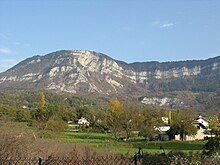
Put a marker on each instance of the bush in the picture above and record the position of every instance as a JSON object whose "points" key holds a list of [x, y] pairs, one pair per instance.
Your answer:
{"points": [[181, 158], [213, 144], [56, 125], [16, 140], [98, 128], [156, 159]]}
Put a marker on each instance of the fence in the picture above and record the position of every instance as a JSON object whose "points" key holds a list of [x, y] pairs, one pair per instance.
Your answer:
{"points": [[74, 160], [97, 160], [89, 159]]}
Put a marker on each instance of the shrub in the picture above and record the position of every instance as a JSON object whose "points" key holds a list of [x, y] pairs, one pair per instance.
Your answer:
{"points": [[56, 125], [213, 144], [155, 159]]}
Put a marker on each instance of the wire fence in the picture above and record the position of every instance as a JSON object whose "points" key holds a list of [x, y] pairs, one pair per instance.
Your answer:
{"points": [[74, 159], [96, 160]]}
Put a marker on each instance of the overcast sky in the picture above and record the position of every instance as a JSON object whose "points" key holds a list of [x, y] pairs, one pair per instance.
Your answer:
{"points": [[128, 30]]}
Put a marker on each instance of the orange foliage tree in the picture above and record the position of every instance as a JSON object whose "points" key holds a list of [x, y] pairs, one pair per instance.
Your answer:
{"points": [[118, 119]]}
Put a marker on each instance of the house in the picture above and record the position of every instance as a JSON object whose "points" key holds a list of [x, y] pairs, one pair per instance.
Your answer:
{"points": [[202, 127], [162, 133], [200, 123], [83, 121]]}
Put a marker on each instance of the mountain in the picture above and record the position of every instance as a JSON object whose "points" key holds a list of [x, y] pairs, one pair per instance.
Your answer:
{"points": [[85, 72], [71, 71]]}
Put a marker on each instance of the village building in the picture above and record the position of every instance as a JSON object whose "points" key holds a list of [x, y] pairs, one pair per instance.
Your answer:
{"points": [[74, 126], [200, 123], [83, 121]]}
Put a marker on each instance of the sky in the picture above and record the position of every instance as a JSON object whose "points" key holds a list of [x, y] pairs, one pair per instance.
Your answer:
{"points": [[127, 30]]}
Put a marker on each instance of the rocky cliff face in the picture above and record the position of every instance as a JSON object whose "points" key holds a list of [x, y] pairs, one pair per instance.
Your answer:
{"points": [[86, 72]]}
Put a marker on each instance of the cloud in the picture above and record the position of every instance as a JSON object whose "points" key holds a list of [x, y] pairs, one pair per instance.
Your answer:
{"points": [[166, 25], [5, 51], [161, 24]]}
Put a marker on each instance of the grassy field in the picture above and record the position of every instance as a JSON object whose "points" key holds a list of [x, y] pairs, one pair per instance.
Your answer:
{"points": [[105, 143]]}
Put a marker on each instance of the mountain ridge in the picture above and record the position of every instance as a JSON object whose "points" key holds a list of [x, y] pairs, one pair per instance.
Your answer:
{"points": [[85, 72]]}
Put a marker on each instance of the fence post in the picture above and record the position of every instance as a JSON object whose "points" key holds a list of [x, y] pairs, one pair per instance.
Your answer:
{"points": [[135, 159], [40, 161], [138, 156]]}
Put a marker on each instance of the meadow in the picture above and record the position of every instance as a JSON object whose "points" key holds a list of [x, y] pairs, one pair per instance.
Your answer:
{"points": [[19, 140], [104, 142]]}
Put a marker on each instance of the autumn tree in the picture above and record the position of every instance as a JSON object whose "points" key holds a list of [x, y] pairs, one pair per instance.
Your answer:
{"points": [[42, 115], [42, 101], [118, 120]]}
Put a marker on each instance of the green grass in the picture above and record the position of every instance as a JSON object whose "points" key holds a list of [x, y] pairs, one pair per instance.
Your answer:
{"points": [[105, 143]]}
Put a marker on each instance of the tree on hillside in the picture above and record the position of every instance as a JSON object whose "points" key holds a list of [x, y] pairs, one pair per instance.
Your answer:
{"points": [[149, 120], [23, 115], [42, 101], [8, 112], [42, 115], [214, 124], [120, 121], [84, 112], [182, 124], [48, 117], [213, 144], [99, 124]]}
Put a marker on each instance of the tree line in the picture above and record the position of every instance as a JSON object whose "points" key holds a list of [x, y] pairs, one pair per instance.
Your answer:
{"points": [[49, 113]]}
